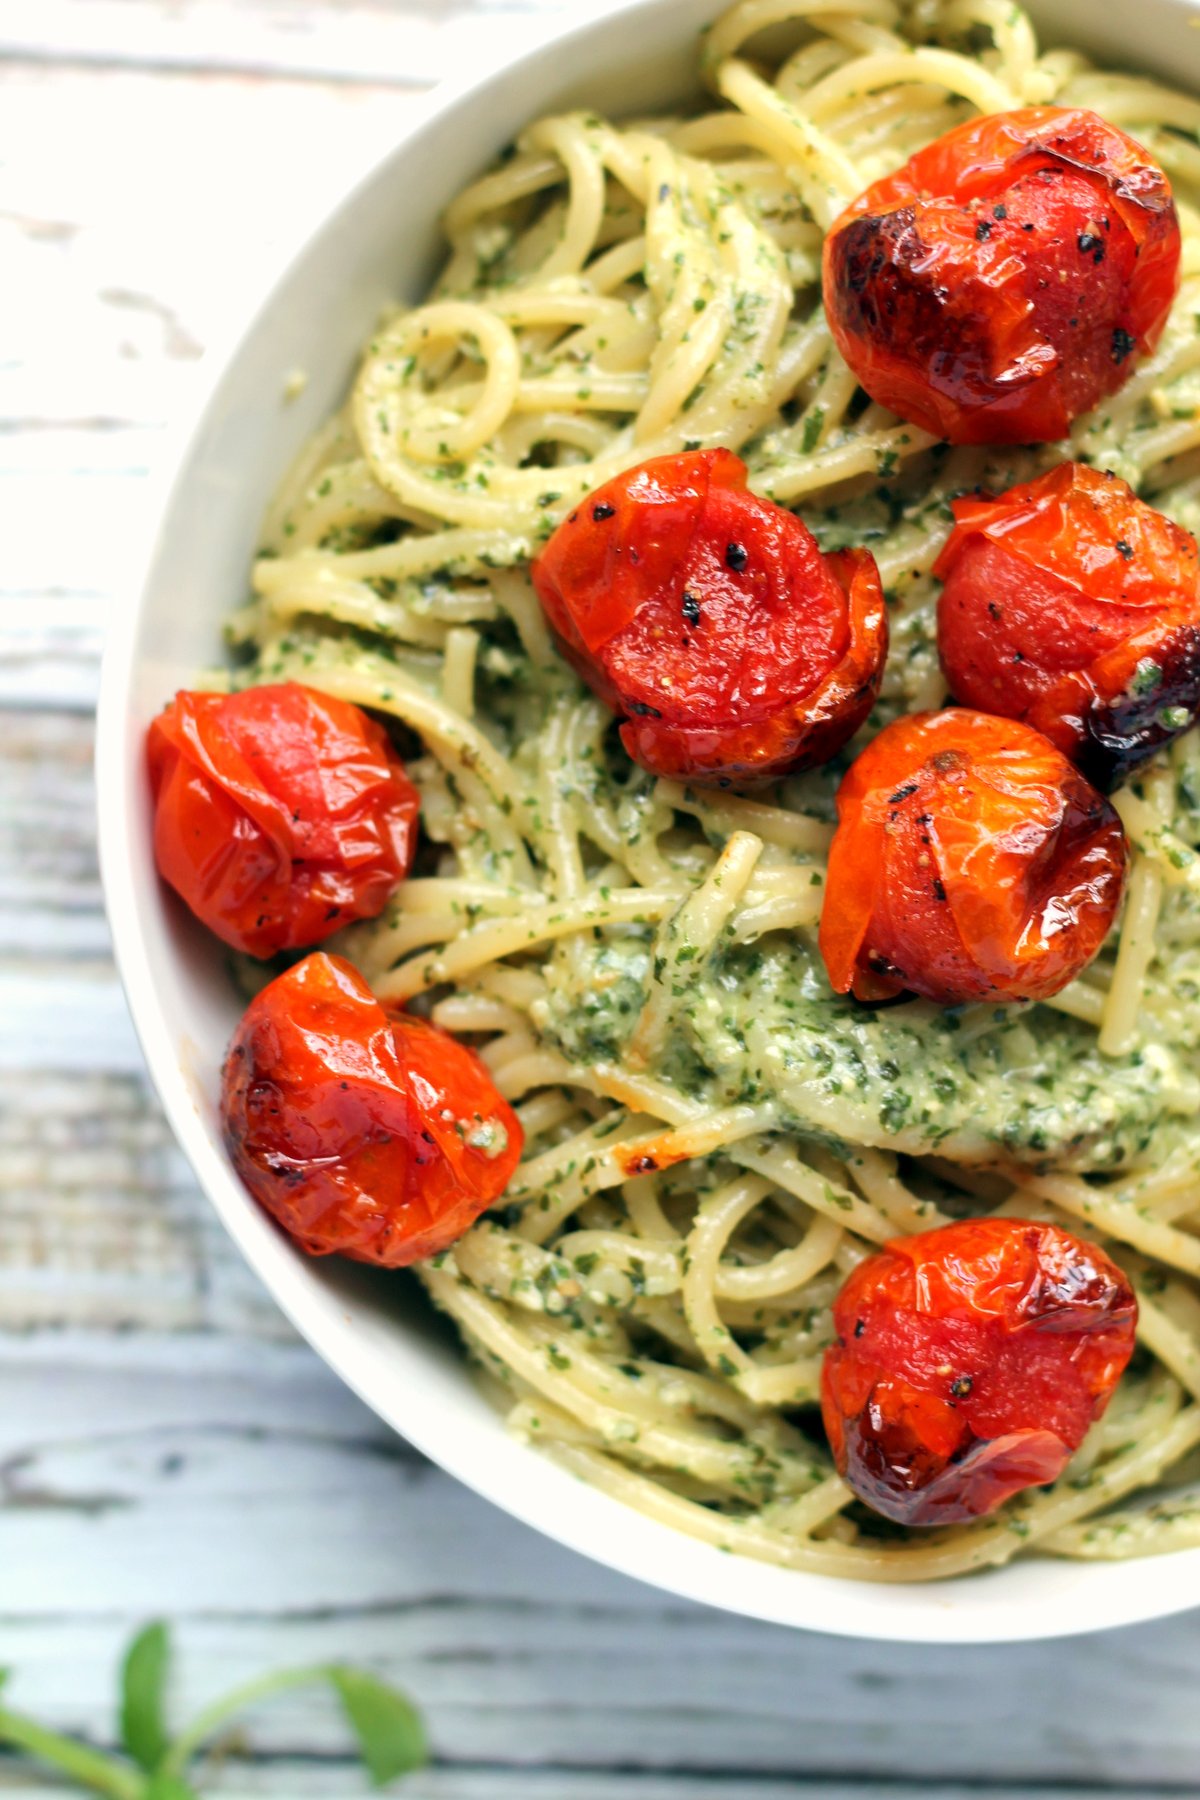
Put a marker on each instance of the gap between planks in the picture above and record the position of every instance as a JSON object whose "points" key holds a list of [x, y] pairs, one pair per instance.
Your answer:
{"points": [[339, 1780], [120, 268]]}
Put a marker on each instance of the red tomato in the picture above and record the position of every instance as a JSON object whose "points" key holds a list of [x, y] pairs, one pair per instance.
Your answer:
{"points": [[969, 1363], [1073, 605], [363, 1132], [710, 621], [280, 814], [997, 286], [971, 862]]}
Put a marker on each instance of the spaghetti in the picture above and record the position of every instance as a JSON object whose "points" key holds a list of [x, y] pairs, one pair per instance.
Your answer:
{"points": [[713, 1138]]}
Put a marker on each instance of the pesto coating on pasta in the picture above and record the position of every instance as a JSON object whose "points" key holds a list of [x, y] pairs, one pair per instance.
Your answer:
{"points": [[713, 1138]]}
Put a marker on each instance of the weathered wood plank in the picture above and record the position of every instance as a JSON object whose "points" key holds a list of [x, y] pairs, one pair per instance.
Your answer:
{"points": [[237, 1488], [75, 1021], [101, 1222], [50, 649], [187, 187], [50, 898], [119, 266], [337, 1780], [408, 42]]}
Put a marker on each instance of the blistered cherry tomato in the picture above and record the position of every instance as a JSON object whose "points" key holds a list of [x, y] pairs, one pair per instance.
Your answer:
{"points": [[971, 861], [1000, 283], [969, 1363], [280, 814], [1073, 605], [709, 621], [363, 1132]]}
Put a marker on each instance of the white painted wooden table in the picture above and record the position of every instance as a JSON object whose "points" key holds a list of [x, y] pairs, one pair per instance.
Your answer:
{"points": [[166, 1445]]}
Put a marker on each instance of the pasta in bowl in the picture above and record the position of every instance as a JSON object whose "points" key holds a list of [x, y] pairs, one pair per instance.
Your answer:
{"points": [[714, 1138]]}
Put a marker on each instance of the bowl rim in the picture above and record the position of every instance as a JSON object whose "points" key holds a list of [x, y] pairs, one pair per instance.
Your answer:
{"points": [[851, 1613]]}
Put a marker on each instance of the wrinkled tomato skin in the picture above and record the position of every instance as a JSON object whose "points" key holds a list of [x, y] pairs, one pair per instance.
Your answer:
{"points": [[969, 1363], [1071, 604], [710, 622], [971, 861], [999, 284], [280, 814], [364, 1133]]}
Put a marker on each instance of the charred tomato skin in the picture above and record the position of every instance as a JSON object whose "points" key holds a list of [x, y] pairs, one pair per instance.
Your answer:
{"points": [[280, 813], [968, 1364], [364, 1133], [999, 284], [971, 862], [709, 621], [1071, 604]]}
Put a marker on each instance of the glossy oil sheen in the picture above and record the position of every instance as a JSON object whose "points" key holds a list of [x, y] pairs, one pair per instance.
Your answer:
{"points": [[363, 1133], [1071, 604], [709, 619], [971, 862], [969, 1363], [280, 814], [997, 285]]}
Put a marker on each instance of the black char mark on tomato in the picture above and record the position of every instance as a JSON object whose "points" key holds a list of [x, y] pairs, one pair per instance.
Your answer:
{"points": [[709, 621], [969, 1363], [1073, 605], [971, 862], [363, 1132], [1000, 283]]}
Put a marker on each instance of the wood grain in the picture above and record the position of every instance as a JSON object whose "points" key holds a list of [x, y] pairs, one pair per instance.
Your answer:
{"points": [[407, 42], [234, 1486], [166, 1445], [237, 1778]]}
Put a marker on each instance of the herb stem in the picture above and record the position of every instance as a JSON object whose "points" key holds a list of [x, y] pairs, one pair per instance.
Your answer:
{"points": [[263, 1687], [91, 1768]]}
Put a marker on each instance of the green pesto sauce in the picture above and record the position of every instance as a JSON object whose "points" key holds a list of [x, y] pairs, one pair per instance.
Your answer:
{"points": [[982, 1083], [759, 1023]]}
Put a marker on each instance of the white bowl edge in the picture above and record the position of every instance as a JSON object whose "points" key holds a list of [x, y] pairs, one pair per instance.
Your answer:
{"points": [[183, 1007]]}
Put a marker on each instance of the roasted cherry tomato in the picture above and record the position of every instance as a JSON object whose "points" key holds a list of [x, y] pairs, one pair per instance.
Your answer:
{"points": [[280, 814], [1073, 605], [363, 1132], [969, 1363], [997, 286], [971, 861], [710, 621]]}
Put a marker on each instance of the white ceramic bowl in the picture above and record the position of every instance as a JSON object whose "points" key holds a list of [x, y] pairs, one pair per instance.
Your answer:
{"points": [[380, 243]]}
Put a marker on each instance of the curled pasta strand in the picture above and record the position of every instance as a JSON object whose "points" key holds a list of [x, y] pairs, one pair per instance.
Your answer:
{"points": [[653, 1295]]}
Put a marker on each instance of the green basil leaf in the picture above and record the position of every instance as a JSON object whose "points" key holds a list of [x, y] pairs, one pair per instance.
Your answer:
{"points": [[143, 1696], [168, 1787], [391, 1736]]}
